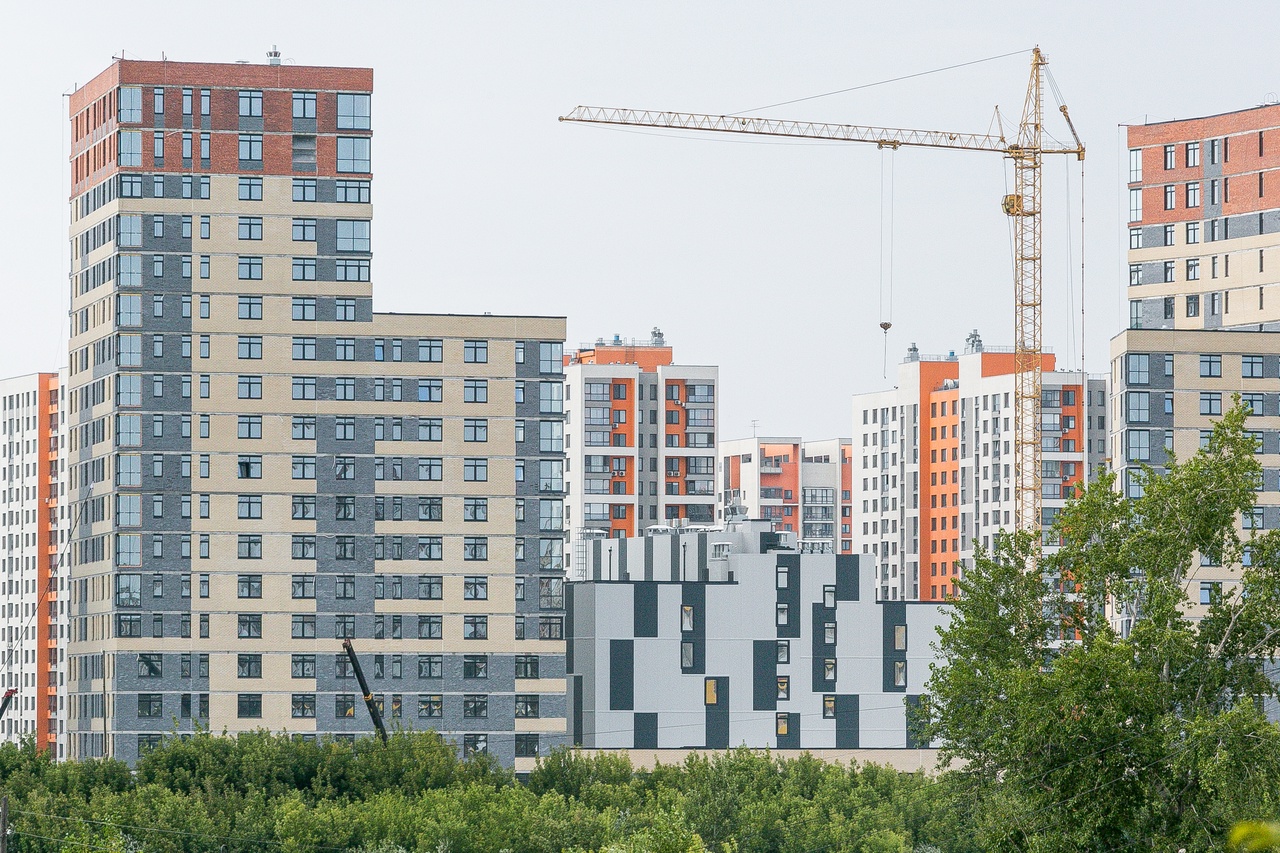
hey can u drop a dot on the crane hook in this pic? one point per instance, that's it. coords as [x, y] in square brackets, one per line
[885, 326]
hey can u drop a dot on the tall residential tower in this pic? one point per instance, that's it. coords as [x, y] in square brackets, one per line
[261, 466]
[1204, 299]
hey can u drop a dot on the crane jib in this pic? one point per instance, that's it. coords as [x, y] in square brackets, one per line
[1023, 206]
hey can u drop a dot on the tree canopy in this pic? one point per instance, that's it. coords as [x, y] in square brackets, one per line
[261, 791]
[1083, 701]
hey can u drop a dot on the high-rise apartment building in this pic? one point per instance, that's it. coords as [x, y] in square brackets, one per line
[32, 588]
[641, 440]
[261, 466]
[935, 479]
[1204, 299]
[801, 486]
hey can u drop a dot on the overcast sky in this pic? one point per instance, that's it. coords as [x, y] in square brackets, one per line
[770, 260]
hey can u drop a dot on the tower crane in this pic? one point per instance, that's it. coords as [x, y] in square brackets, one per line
[1026, 152]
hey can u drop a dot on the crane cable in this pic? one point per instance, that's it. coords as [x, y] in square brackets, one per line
[883, 82]
[886, 258]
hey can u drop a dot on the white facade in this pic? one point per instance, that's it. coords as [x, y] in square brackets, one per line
[32, 536]
[715, 639]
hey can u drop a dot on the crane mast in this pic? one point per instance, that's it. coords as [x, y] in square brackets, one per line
[1023, 206]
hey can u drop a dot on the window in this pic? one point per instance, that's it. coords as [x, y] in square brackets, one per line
[304, 104]
[304, 269]
[430, 627]
[351, 270]
[431, 705]
[1210, 403]
[475, 470]
[248, 587]
[251, 147]
[249, 506]
[353, 235]
[353, 111]
[250, 189]
[304, 349]
[344, 705]
[475, 705]
[303, 586]
[475, 588]
[1193, 194]
[249, 625]
[1135, 165]
[784, 687]
[250, 104]
[473, 391]
[475, 627]
[475, 352]
[250, 228]
[899, 673]
[1193, 306]
[1251, 366]
[130, 152]
[353, 154]
[1139, 368]
[1139, 441]
[1193, 269]
[249, 387]
[304, 387]
[303, 626]
[475, 548]
[351, 192]
[249, 268]
[1210, 365]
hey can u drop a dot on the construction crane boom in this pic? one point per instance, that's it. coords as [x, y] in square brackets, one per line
[369, 702]
[1022, 205]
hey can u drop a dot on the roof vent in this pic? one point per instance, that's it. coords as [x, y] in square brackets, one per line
[273, 56]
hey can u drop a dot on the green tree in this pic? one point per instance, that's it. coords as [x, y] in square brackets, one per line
[1068, 734]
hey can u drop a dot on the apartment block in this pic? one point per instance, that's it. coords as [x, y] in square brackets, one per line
[1204, 222]
[802, 487]
[936, 458]
[33, 587]
[640, 436]
[714, 639]
[1204, 308]
[262, 466]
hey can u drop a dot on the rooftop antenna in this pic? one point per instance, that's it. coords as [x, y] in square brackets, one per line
[754, 424]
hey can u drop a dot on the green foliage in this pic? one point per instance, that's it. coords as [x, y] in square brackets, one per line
[1071, 736]
[260, 791]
